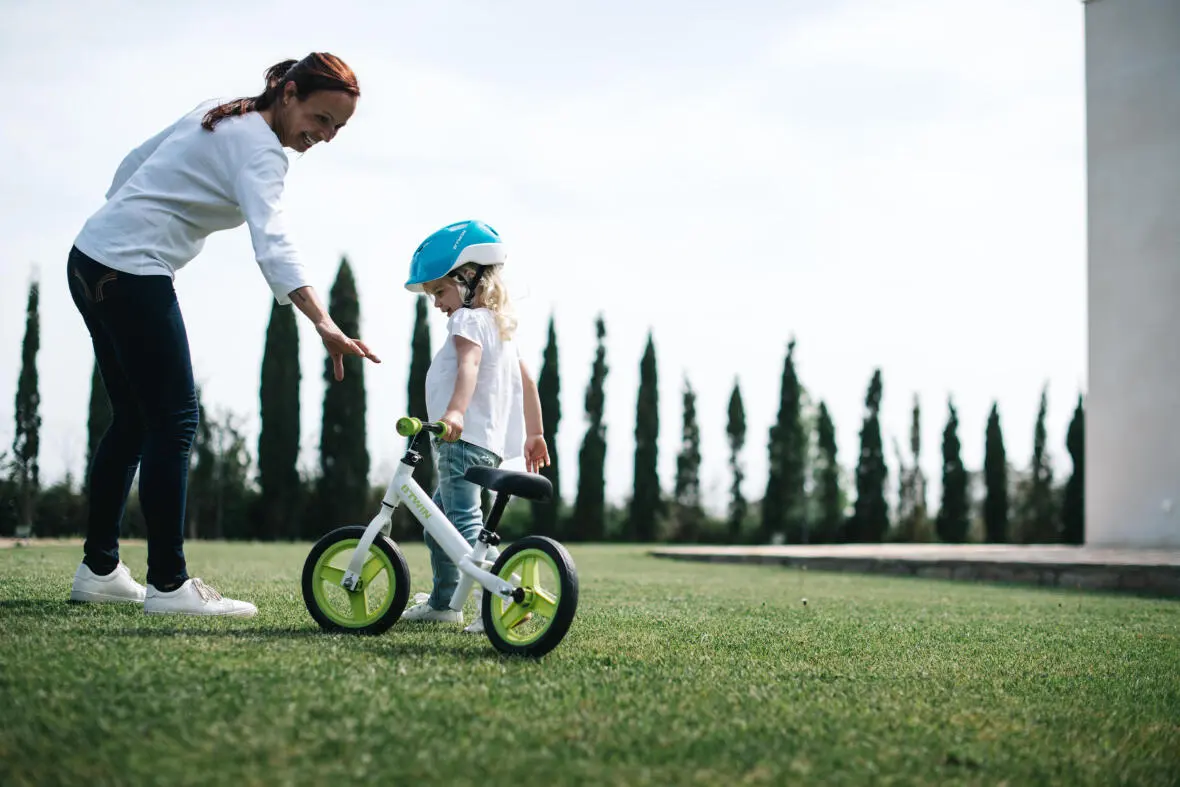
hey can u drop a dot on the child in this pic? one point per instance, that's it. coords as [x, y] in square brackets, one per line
[477, 385]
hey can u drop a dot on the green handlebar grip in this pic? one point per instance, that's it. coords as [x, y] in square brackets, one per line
[408, 426]
[445, 429]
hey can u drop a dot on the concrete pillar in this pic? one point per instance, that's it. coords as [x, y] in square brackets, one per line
[1133, 172]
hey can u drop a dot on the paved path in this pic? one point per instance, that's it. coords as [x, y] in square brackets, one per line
[9, 543]
[1154, 571]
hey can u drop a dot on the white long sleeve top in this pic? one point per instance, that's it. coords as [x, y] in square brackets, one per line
[185, 183]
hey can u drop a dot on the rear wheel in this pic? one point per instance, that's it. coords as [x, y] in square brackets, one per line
[374, 606]
[539, 619]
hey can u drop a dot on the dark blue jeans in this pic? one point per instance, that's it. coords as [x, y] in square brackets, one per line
[143, 356]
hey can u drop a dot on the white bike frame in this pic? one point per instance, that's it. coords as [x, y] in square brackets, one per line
[473, 562]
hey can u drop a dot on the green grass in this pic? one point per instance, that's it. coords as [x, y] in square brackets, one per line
[673, 673]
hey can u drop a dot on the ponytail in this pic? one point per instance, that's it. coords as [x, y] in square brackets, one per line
[317, 71]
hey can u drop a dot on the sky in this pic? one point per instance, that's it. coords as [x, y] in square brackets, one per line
[895, 184]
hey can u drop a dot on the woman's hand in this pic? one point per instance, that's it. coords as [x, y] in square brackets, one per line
[536, 453]
[338, 345]
[335, 342]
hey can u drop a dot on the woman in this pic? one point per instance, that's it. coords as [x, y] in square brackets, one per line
[218, 167]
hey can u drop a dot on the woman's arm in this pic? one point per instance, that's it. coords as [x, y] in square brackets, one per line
[259, 189]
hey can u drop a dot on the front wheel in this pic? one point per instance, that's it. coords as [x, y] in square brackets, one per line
[376, 604]
[539, 620]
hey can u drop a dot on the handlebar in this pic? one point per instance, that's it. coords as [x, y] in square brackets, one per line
[410, 426]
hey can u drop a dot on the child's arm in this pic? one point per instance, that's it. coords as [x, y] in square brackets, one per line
[536, 452]
[469, 354]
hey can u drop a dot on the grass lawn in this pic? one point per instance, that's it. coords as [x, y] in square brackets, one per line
[672, 674]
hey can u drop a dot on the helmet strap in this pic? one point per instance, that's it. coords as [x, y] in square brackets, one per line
[469, 288]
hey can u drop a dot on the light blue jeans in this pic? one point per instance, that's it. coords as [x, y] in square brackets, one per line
[459, 500]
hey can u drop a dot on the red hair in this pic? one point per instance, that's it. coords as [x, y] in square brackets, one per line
[317, 71]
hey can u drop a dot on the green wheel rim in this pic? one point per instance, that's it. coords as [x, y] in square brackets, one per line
[541, 580]
[353, 609]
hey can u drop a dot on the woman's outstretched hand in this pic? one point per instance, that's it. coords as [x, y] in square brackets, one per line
[338, 345]
[335, 342]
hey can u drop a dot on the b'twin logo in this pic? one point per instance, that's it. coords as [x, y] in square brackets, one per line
[459, 239]
[418, 504]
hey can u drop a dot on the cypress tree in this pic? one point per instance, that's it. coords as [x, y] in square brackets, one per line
[228, 503]
[995, 475]
[100, 416]
[1040, 523]
[687, 495]
[1073, 514]
[912, 522]
[735, 430]
[278, 438]
[26, 440]
[784, 506]
[589, 518]
[953, 515]
[827, 477]
[344, 456]
[918, 481]
[420, 356]
[870, 518]
[545, 514]
[642, 523]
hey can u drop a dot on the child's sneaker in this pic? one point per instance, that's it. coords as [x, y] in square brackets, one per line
[117, 586]
[194, 597]
[422, 611]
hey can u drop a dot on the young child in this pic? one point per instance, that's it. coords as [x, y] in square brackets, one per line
[477, 385]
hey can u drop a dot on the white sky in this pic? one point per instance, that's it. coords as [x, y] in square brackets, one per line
[895, 183]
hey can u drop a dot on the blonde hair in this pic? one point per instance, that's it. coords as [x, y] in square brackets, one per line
[492, 294]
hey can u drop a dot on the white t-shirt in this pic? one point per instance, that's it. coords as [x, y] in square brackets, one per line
[185, 183]
[495, 418]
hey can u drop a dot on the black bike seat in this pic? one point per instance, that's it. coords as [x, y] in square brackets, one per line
[527, 485]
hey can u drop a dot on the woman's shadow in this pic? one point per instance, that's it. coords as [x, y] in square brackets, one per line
[450, 644]
[44, 608]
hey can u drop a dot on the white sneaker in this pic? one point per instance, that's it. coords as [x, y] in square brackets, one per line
[115, 587]
[422, 611]
[194, 597]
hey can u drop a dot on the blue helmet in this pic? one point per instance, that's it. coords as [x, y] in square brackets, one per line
[452, 246]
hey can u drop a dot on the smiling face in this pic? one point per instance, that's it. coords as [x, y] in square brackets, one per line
[308, 121]
[445, 294]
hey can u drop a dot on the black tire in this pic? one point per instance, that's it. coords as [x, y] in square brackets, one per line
[394, 598]
[567, 599]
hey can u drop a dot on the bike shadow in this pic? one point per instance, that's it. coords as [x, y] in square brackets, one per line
[453, 645]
